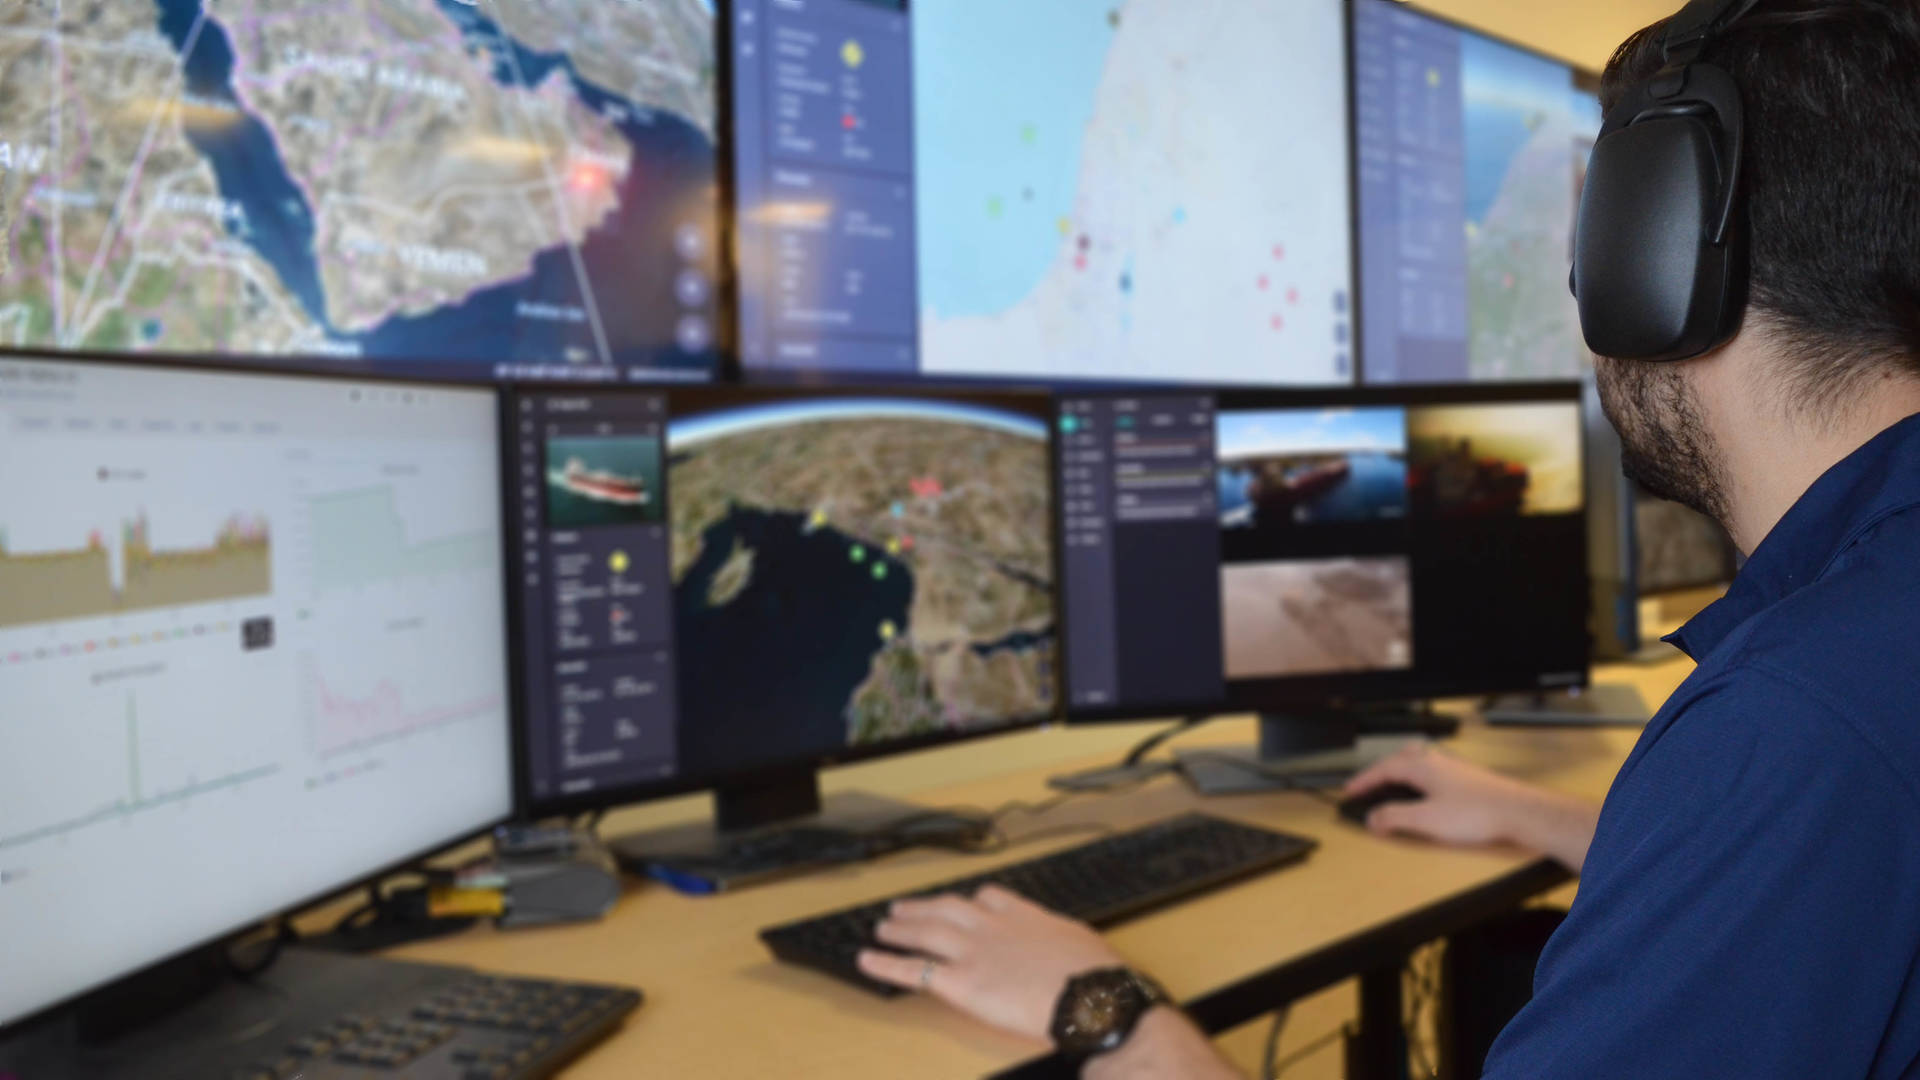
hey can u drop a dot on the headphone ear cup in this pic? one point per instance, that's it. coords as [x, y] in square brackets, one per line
[1650, 279]
[1642, 257]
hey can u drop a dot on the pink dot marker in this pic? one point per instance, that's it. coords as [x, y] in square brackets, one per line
[1293, 296]
[1279, 251]
[1080, 262]
[1264, 282]
[1279, 323]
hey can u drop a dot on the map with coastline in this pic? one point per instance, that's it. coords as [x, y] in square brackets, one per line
[419, 181]
[866, 569]
[1528, 132]
[1133, 189]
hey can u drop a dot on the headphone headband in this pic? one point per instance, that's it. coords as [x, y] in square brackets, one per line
[1689, 30]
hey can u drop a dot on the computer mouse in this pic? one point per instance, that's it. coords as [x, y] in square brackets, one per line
[1359, 806]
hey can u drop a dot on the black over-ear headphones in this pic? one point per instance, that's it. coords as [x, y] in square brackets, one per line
[1660, 255]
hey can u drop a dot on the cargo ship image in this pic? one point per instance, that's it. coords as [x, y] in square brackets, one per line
[1460, 482]
[1277, 491]
[599, 484]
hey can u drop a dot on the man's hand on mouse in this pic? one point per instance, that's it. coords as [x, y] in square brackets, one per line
[1465, 804]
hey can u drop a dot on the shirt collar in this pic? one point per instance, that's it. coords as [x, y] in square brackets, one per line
[1880, 479]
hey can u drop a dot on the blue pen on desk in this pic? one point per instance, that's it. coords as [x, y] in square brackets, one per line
[682, 881]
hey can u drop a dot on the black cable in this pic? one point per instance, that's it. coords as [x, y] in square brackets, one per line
[1280, 1067]
[1147, 745]
[1270, 1056]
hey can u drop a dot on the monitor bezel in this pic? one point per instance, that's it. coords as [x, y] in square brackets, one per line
[1317, 692]
[733, 368]
[651, 791]
[1581, 77]
[259, 367]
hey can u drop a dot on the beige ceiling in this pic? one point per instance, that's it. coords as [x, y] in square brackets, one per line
[1583, 31]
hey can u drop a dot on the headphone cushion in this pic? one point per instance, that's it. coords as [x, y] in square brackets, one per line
[1651, 283]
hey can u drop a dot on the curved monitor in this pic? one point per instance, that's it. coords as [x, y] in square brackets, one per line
[723, 583]
[252, 650]
[1471, 156]
[437, 188]
[1263, 549]
[1070, 191]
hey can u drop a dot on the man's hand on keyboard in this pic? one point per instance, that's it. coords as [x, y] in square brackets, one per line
[997, 956]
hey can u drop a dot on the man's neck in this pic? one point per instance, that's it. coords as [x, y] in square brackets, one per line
[1772, 450]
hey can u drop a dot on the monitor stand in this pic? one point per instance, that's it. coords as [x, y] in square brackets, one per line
[776, 828]
[1317, 749]
[1599, 705]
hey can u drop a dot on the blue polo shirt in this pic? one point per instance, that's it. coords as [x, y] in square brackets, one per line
[1751, 903]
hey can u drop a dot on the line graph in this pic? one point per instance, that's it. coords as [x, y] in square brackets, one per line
[359, 539]
[84, 582]
[340, 722]
[136, 801]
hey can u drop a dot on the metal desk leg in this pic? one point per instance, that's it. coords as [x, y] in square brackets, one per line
[1379, 1050]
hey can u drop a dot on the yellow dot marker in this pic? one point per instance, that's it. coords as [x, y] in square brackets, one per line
[888, 631]
[893, 546]
[618, 562]
[819, 519]
[1065, 226]
[1433, 77]
[852, 54]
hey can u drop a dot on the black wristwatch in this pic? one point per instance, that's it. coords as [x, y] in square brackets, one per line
[1098, 1011]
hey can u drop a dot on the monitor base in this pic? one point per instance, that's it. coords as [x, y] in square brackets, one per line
[702, 857]
[1310, 750]
[1600, 705]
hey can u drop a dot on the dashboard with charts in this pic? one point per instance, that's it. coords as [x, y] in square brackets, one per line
[325, 553]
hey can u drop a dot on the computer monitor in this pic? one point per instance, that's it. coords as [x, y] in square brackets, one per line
[252, 651]
[1279, 551]
[1156, 191]
[729, 588]
[440, 189]
[1471, 155]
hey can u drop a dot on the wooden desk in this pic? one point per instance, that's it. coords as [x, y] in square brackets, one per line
[719, 1006]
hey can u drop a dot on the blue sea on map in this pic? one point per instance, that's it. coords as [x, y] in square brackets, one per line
[1508, 94]
[672, 158]
[999, 154]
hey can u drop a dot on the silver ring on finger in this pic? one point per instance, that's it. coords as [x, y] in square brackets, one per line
[926, 975]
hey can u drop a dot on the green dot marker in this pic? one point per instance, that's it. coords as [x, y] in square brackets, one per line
[879, 571]
[996, 206]
[858, 553]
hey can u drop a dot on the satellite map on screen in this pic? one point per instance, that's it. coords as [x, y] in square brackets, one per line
[1133, 189]
[417, 180]
[875, 568]
[1528, 132]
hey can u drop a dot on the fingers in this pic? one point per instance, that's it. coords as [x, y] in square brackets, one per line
[1416, 818]
[906, 972]
[949, 909]
[1000, 901]
[941, 940]
[1408, 766]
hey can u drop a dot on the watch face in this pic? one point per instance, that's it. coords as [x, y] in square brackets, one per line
[1100, 1011]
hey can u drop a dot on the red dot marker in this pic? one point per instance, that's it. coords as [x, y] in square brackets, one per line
[847, 121]
[1080, 262]
[906, 543]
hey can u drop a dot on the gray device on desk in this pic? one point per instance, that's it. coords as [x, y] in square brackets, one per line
[255, 640]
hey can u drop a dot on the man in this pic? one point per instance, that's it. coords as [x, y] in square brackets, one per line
[1750, 899]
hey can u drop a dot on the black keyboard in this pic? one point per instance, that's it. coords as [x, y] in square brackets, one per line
[476, 1027]
[1102, 883]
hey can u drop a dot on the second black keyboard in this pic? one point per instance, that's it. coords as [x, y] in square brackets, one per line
[1102, 883]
